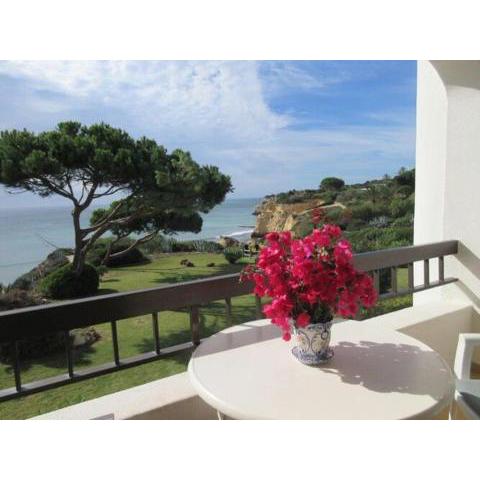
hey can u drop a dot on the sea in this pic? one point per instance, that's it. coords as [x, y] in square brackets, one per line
[29, 234]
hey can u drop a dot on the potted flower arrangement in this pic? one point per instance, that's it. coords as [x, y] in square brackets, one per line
[309, 280]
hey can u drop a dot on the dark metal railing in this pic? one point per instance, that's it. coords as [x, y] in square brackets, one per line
[24, 323]
[393, 258]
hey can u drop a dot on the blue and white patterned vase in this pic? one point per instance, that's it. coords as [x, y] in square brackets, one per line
[313, 343]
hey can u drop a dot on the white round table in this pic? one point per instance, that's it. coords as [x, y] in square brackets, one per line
[248, 372]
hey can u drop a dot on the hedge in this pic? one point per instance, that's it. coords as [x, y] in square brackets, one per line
[63, 283]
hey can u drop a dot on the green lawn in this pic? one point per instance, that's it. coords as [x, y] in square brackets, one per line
[135, 335]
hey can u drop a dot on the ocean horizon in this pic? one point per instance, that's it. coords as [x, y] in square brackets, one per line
[29, 233]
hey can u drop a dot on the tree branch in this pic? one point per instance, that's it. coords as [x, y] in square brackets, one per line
[90, 197]
[106, 225]
[83, 192]
[110, 246]
[109, 191]
[119, 237]
[55, 188]
[103, 221]
[89, 242]
[137, 242]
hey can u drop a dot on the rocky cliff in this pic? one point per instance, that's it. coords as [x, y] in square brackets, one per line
[273, 216]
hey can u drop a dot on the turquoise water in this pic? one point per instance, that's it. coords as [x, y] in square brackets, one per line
[28, 235]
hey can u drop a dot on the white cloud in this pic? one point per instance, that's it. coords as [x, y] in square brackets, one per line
[279, 76]
[218, 110]
[198, 96]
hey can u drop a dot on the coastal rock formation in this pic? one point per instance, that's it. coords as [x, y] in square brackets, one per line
[277, 217]
[28, 281]
[227, 242]
[273, 216]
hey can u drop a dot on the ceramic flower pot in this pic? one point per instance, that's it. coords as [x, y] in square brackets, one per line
[313, 343]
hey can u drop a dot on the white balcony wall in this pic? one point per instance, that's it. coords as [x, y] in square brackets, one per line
[447, 203]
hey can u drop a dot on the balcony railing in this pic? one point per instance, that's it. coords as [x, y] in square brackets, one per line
[16, 325]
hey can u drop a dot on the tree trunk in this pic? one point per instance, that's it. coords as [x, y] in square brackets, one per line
[79, 254]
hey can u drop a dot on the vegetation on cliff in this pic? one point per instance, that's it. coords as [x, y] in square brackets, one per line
[375, 214]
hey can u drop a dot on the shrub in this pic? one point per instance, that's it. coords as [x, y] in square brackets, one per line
[406, 221]
[133, 257]
[367, 211]
[63, 283]
[405, 190]
[98, 252]
[303, 226]
[296, 196]
[329, 197]
[351, 195]
[368, 239]
[332, 183]
[291, 196]
[401, 207]
[232, 254]
[161, 244]
[96, 255]
[379, 222]
[406, 177]
[333, 215]
[206, 246]
[364, 211]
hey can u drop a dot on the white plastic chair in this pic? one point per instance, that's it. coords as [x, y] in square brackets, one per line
[467, 390]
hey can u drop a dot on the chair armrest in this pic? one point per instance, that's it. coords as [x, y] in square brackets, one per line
[463, 358]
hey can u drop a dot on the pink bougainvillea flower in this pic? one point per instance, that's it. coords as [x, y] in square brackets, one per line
[303, 320]
[286, 336]
[308, 275]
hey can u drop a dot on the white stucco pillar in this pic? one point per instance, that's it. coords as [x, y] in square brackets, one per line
[447, 199]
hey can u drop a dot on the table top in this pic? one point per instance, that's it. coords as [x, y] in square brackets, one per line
[248, 372]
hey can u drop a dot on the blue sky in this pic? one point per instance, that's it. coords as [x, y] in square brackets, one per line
[272, 126]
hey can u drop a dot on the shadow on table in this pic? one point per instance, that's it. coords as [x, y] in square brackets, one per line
[389, 367]
[380, 367]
